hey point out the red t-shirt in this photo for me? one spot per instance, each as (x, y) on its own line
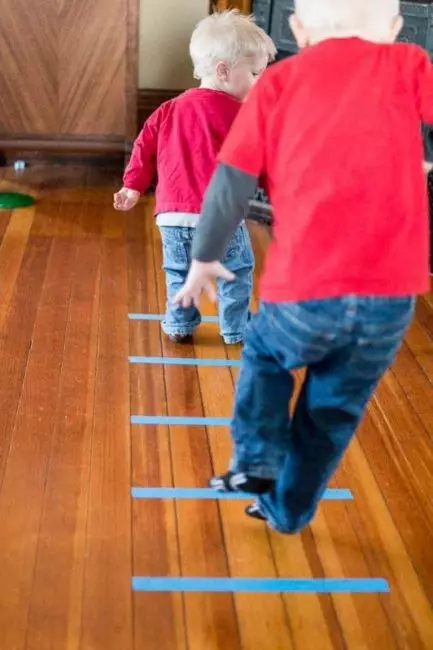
(335, 134)
(180, 143)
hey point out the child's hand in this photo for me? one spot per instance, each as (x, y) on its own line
(126, 199)
(200, 278)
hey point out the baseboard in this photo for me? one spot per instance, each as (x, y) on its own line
(150, 99)
(60, 143)
(55, 149)
(66, 148)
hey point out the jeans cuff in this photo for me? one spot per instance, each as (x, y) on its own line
(262, 471)
(179, 329)
(232, 339)
(285, 528)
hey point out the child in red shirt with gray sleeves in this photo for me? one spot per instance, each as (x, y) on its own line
(180, 142)
(335, 132)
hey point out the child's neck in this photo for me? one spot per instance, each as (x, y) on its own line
(210, 83)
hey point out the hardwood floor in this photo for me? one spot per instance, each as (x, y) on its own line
(72, 537)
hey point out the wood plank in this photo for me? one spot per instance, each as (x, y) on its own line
(419, 340)
(409, 436)
(312, 618)
(21, 497)
(5, 217)
(16, 336)
(107, 608)
(201, 543)
(407, 605)
(158, 618)
(12, 249)
(262, 620)
(424, 315)
(417, 387)
(56, 604)
(402, 496)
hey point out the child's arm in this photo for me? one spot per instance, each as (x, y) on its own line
(141, 168)
(424, 86)
(241, 164)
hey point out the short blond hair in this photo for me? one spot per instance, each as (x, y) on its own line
(370, 19)
(227, 36)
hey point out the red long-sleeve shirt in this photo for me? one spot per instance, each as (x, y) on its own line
(335, 131)
(180, 143)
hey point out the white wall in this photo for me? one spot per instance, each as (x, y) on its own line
(165, 30)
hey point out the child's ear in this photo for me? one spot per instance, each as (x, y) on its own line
(397, 26)
(298, 31)
(222, 71)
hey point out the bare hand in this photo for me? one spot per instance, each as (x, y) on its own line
(200, 278)
(126, 199)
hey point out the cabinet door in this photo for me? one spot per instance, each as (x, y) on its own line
(91, 67)
(28, 77)
(69, 69)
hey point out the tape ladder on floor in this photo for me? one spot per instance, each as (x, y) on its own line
(228, 585)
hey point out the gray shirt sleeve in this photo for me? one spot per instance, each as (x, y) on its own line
(225, 206)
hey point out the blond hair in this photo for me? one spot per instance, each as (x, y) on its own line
(227, 36)
(369, 19)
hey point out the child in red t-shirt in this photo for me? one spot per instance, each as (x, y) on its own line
(335, 132)
(180, 142)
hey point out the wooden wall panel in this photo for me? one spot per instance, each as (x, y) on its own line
(243, 5)
(92, 70)
(69, 70)
(28, 79)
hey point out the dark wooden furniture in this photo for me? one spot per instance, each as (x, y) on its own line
(273, 16)
(69, 75)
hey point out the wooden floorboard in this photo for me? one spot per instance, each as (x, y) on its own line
(59, 570)
(72, 537)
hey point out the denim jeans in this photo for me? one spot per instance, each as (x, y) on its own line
(233, 297)
(346, 346)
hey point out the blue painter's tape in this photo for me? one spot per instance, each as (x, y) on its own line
(208, 493)
(262, 585)
(175, 361)
(186, 421)
(160, 317)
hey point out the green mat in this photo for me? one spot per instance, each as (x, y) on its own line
(11, 200)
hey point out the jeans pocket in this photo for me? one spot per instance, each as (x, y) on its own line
(296, 338)
(176, 247)
(389, 318)
(235, 245)
(240, 248)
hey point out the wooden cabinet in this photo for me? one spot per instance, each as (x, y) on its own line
(69, 74)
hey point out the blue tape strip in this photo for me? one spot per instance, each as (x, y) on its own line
(186, 421)
(271, 585)
(160, 317)
(337, 494)
(174, 361)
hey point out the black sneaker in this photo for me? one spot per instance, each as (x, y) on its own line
(180, 338)
(241, 482)
(254, 512)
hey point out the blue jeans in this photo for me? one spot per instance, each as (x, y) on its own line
(233, 297)
(346, 345)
